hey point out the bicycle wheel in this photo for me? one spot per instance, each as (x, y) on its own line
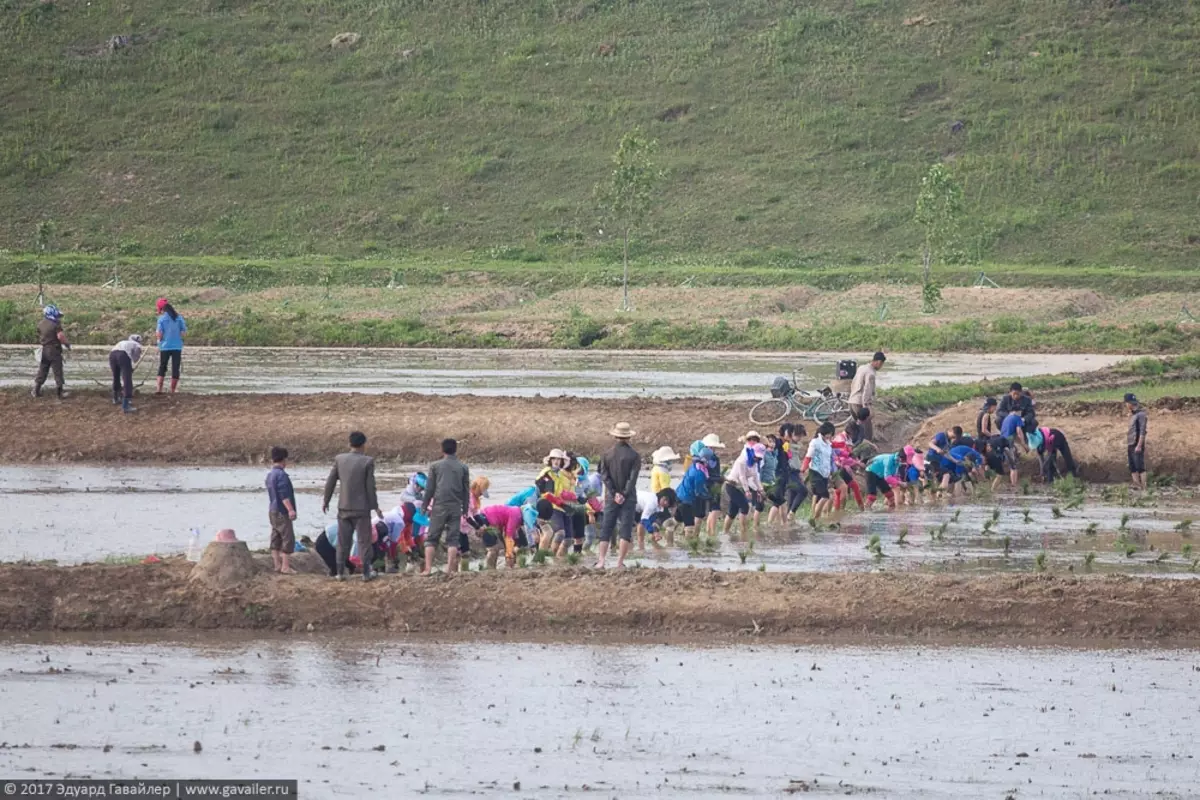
(768, 412)
(835, 410)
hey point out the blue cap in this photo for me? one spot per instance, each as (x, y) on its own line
(420, 480)
(941, 440)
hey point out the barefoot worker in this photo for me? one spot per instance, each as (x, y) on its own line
(355, 471)
(123, 360)
(281, 499)
(448, 493)
(619, 470)
(53, 340)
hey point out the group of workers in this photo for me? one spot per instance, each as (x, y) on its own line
(123, 359)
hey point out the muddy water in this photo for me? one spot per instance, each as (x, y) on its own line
(75, 514)
(716, 375)
(348, 718)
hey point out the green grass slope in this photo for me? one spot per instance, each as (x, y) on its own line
(794, 132)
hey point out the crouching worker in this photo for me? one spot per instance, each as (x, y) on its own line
(123, 360)
(883, 474)
(654, 510)
(493, 522)
(328, 551)
(1054, 442)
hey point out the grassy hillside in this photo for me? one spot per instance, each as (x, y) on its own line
(795, 132)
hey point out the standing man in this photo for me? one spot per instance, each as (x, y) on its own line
(355, 471)
(619, 470)
(862, 395)
(1136, 441)
(448, 491)
(53, 340)
(281, 498)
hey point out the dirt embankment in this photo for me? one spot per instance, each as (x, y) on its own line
(632, 604)
(1096, 433)
(408, 427)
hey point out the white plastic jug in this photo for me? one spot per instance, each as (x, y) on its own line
(193, 551)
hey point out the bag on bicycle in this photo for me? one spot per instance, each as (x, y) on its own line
(781, 387)
(847, 369)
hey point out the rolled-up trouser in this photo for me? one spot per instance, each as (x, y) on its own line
(444, 524)
(625, 514)
(351, 523)
(122, 373)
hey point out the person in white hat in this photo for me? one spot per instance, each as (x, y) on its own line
(660, 474)
(743, 486)
(619, 470)
(713, 442)
(660, 478)
(551, 483)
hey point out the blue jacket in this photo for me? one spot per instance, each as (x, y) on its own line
(694, 485)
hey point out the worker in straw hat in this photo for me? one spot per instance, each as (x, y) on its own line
(715, 479)
(619, 470)
(552, 483)
(660, 479)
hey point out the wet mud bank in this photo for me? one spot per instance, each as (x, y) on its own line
(635, 605)
(242, 428)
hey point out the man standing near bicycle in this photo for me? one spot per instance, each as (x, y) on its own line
(862, 395)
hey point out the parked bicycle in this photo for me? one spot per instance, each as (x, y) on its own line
(825, 405)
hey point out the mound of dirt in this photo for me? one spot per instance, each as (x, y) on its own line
(633, 605)
(795, 298)
(224, 565)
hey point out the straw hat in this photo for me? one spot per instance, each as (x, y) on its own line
(752, 435)
(622, 431)
(554, 453)
(663, 455)
(713, 441)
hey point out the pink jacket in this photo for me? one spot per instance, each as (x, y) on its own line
(504, 518)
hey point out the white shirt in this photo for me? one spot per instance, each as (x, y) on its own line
(744, 476)
(132, 348)
(820, 457)
(647, 503)
(862, 390)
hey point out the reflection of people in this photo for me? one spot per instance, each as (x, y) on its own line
(355, 471)
(53, 340)
(281, 498)
(123, 360)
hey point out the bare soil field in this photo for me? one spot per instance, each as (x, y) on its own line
(632, 604)
(242, 428)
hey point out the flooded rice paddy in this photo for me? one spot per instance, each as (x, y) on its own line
(597, 374)
(76, 514)
(348, 717)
